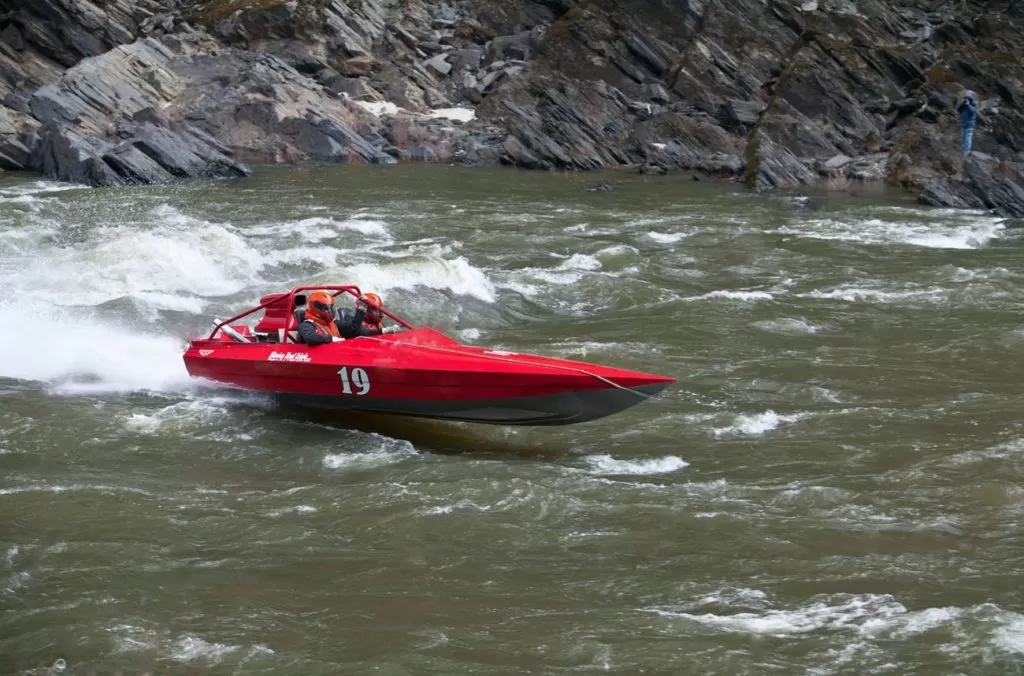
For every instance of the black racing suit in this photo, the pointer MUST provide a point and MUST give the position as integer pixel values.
(350, 324)
(309, 335)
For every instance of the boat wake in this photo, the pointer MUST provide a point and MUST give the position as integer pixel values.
(77, 352)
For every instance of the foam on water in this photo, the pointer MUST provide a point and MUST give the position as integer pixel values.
(617, 250)
(185, 413)
(78, 351)
(457, 275)
(853, 294)
(1010, 452)
(40, 187)
(190, 648)
(607, 465)
(186, 648)
(297, 509)
(580, 262)
(668, 237)
(387, 451)
(866, 627)
(829, 614)
(755, 424)
(972, 234)
(319, 228)
(173, 254)
(1010, 636)
(74, 488)
(874, 615)
(745, 296)
(790, 326)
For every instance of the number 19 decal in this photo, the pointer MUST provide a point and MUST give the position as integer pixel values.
(359, 379)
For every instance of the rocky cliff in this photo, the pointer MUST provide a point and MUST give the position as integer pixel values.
(775, 93)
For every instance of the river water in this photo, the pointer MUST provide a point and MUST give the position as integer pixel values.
(832, 487)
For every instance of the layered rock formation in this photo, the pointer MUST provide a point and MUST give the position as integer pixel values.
(775, 93)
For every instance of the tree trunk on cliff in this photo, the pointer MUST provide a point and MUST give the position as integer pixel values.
(772, 86)
(698, 29)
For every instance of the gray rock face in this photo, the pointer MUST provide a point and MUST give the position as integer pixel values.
(100, 123)
(143, 91)
(43, 37)
(984, 183)
(17, 139)
(829, 82)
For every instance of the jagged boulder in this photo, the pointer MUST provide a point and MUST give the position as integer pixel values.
(100, 124)
(984, 183)
(17, 139)
(40, 39)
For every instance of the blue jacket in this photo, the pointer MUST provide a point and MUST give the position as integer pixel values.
(968, 113)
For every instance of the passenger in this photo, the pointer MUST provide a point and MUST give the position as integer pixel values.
(367, 320)
(318, 327)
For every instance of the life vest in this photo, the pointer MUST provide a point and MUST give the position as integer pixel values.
(321, 328)
(376, 326)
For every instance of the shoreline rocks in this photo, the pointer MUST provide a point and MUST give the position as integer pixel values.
(778, 96)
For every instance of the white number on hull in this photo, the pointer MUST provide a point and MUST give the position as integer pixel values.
(359, 378)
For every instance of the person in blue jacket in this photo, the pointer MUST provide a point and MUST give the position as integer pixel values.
(968, 110)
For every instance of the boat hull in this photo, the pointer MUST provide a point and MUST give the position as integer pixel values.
(566, 408)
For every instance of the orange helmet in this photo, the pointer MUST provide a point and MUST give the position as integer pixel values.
(321, 305)
(373, 303)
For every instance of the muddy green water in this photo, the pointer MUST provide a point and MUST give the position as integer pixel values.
(833, 487)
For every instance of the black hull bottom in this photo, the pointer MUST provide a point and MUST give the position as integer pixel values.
(550, 410)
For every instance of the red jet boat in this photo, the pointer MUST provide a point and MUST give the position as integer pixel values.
(415, 372)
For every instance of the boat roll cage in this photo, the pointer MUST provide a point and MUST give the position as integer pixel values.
(334, 289)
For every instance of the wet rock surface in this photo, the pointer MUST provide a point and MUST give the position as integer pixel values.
(774, 94)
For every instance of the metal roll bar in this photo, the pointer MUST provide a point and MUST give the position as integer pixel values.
(336, 289)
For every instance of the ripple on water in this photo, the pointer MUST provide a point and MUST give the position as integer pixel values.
(973, 234)
(607, 465)
(859, 630)
(833, 481)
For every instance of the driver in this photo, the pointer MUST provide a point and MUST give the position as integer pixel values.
(319, 327)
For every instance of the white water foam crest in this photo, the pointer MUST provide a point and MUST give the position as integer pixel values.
(171, 254)
(1010, 637)
(579, 261)
(789, 326)
(615, 254)
(976, 233)
(607, 465)
(296, 509)
(388, 451)
(132, 638)
(181, 414)
(756, 424)
(41, 187)
(1011, 451)
(854, 294)
(457, 275)
(746, 296)
(319, 228)
(78, 352)
(982, 631)
(959, 274)
(190, 648)
(668, 237)
(821, 615)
